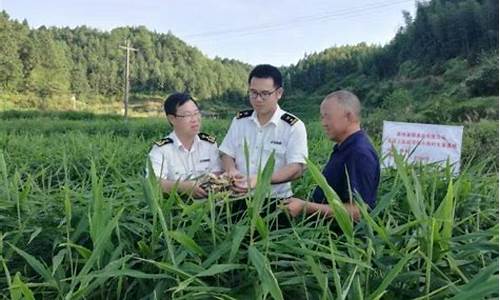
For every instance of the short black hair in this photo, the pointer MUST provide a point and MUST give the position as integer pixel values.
(175, 100)
(267, 71)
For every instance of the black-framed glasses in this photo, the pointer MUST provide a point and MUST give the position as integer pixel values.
(195, 114)
(264, 94)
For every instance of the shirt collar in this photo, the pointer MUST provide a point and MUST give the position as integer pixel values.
(275, 119)
(348, 141)
(177, 142)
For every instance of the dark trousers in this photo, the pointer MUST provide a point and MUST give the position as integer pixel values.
(275, 217)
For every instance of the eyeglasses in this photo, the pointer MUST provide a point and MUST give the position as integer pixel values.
(264, 94)
(195, 115)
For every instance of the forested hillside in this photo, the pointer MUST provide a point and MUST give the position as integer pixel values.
(88, 63)
(441, 66)
(446, 54)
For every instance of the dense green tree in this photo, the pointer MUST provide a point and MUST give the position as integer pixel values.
(10, 62)
(51, 73)
(79, 83)
(440, 30)
(88, 62)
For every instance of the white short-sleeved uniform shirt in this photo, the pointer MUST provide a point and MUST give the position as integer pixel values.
(171, 161)
(284, 133)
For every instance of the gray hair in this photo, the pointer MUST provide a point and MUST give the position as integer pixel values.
(347, 100)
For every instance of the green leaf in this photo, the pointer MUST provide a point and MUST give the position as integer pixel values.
(102, 239)
(266, 276)
(153, 201)
(347, 286)
(483, 285)
(187, 242)
(382, 232)
(445, 215)
(19, 288)
(216, 253)
(338, 208)
(170, 269)
(57, 260)
(37, 266)
(35, 234)
(220, 268)
(5, 177)
(127, 273)
(84, 252)
(261, 227)
(260, 194)
(321, 278)
(238, 234)
(389, 277)
(414, 202)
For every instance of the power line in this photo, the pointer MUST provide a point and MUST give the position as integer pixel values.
(244, 34)
(298, 19)
(268, 27)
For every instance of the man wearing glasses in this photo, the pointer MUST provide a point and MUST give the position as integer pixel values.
(265, 129)
(185, 154)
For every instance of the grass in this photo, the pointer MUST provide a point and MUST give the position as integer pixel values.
(78, 221)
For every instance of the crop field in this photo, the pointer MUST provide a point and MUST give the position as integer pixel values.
(78, 220)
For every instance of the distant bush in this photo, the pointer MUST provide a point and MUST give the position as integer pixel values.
(444, 110)
(474, 110)
(480, 141)
(484, 82)
(66, 115)
(456, 70)
(399, 101)
(410, 69)
(145, 97)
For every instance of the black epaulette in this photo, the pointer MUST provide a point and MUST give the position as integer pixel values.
(289, 119)
(206, 137)
(244, 114)
(164, 141)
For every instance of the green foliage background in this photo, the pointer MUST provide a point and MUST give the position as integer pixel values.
(78, 219)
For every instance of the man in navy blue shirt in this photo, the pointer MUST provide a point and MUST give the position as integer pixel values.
(353, 168)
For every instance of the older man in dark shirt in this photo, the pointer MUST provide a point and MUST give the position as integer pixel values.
(353, 168)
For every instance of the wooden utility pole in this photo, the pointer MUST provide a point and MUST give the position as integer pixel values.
(127, 73)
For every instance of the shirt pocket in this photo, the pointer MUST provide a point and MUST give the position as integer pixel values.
(240, 151)
(203, 164)
(279, 154)
(178, 172)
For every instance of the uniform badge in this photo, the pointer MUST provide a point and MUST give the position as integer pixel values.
(163, 141)
(288, 118)
(206, 137)
(244, 114)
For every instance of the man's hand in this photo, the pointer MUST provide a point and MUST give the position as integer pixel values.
(232, 173)
(244, 183)
(198, 192)
(295, 206)
(191, 187)
(353, 210)
(236, 176)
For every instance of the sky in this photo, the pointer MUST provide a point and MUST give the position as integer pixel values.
(278, 32)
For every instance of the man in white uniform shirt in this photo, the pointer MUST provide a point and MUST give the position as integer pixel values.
(265, 129)
(185, 154)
